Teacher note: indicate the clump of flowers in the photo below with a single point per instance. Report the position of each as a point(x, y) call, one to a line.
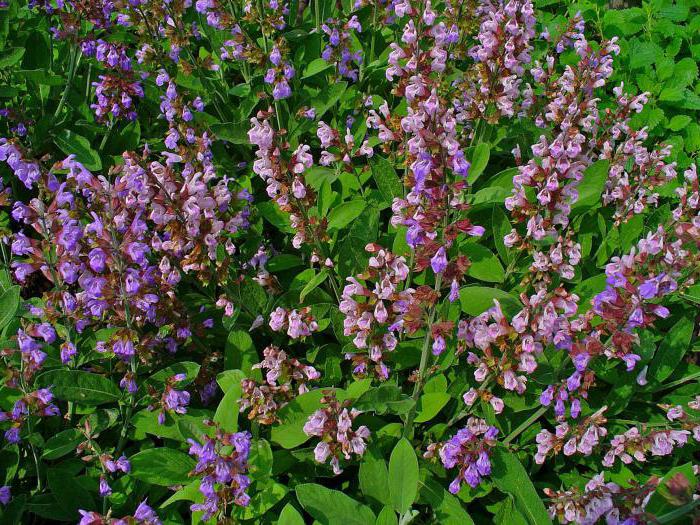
point(298, 323)
point(172, 400)
point(338, 51)
point(284, 179)
point(377, 311)
point(599, 499)
point(285, 378)
point(502, 354)
point(333, 425)
point(469, 451)
point(34, 404)
point(582, 438)
point(688, 417)
point(222, 465)
point(636, 445)
point(501, 56)
point(144, 515)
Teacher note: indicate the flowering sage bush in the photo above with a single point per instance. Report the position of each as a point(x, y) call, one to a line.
point(348, 262)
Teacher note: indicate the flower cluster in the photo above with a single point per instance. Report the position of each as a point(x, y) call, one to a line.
point(285, 182)
point(686, 416)
point(285, 378)
point(171, 400)
point(635, 445)
point(144, 515)
point(469, 450)
point(599, 499)
point(298, 324)
point(501, 56)
point(333, 425)
point(503, 355)
point(581, 438)
point(377, 311)
point(222, 465)
point(26, 170)
point(35, 404)
point(553, 174)
point(339, 48)
point(279, 74)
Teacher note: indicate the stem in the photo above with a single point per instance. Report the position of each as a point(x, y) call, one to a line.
point(39, 484)
point(677, 513)
point(525, 425)
point(374, 25)
point(418, 388)
point(73, 60)
point(106, 137)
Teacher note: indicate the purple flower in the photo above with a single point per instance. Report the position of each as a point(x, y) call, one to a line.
point(146, 514)
point(104, 490)
point(5, 495)
point(439, 261)
point(68, 351)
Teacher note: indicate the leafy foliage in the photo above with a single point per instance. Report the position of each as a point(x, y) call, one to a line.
point(354, 261)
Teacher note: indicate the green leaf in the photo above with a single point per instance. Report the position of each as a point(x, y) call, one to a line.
point(73, 144)
point(342, 215)
point(146, 422)
point(477, 299)
point(386, 179)
point(80, 387)
point(240, 353)
point(189, 81)
point(403, 476)
point(11, 56)
point(272, 214)
point(161, 466)
point(479, 158)
point(314, 283)
point(62, 443)
point(485, 266)
point(643, 54)
point(671, 350)
point(233, 132)
point(352, 256)
point(289, 433)
point(327, 98)
point(508, 513)
point(290, 516)
point(501, 228)
point(679, 122)
point(685, 72)
point(282, 262)
point(187, 493)
point(672, 93)
point(591, 187)
point(69, 492)
point(446, 507)
point(9, 304)
point(374, 477)
point(332, 507)
point(261, 502)
point(387, 517)
point(385, 399)
point(316, 66)
point(240, 91)
point(588, 288)
point(429, 404)
point(227, 412)
point(190, 369)
point(511, 478)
